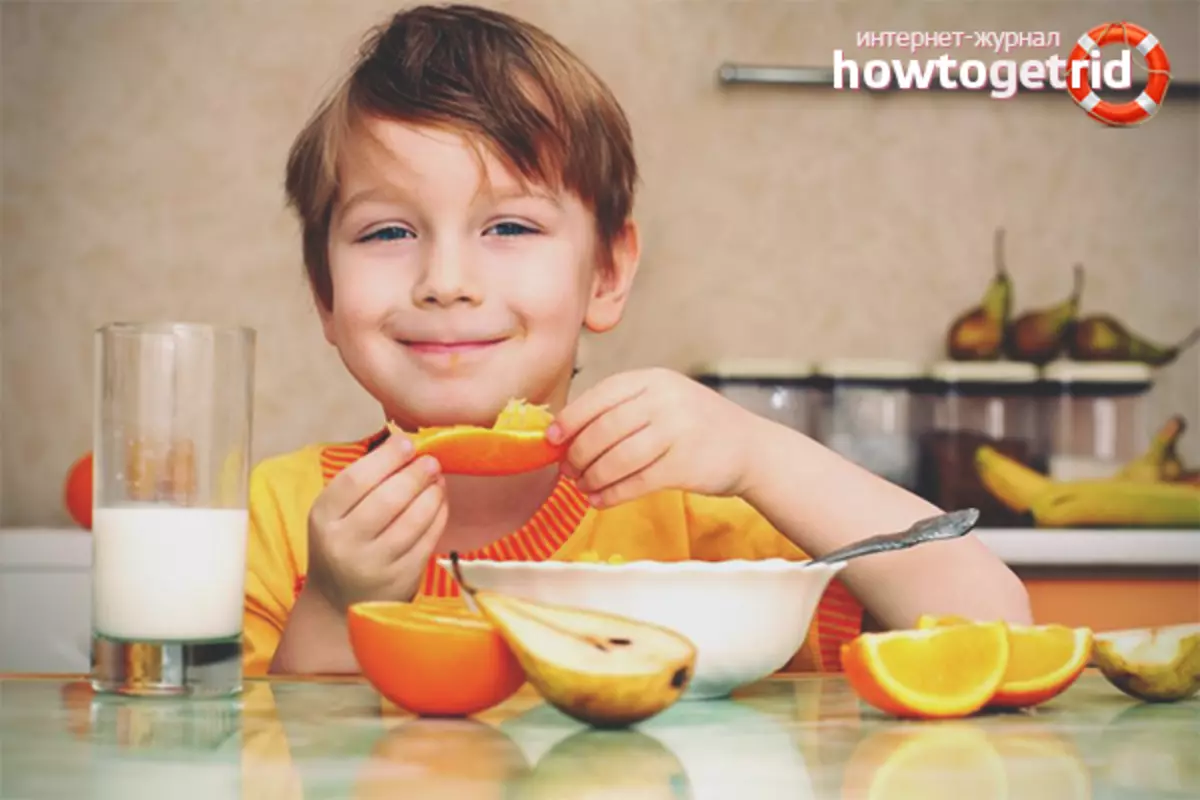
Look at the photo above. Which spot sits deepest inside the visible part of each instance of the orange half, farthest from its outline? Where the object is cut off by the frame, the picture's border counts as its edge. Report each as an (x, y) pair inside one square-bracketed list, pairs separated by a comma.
[(433, 659), (516, 443), (936, 673), (1043, 661)]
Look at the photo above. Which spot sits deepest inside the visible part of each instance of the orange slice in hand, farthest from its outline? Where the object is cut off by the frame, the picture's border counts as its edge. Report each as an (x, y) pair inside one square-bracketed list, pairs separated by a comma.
[(937, 673), (435, 659), (515, 443), (1043, 660)]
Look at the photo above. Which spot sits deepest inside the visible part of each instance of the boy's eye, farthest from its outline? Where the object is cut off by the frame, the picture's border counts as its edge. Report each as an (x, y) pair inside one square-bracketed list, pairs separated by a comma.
[(387, 234), (510, 229)]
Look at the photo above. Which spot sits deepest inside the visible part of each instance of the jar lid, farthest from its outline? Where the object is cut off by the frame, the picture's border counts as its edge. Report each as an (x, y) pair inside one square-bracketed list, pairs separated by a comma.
[(754, 369), (871, 369), (1067, 371), (984, 372)]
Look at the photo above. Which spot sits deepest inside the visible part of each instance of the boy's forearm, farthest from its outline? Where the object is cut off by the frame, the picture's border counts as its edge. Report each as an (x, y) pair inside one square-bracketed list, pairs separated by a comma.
[(822, 501), (314, 640)]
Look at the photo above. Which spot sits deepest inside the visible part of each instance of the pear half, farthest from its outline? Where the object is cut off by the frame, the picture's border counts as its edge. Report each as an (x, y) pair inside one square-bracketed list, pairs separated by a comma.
[(1154, 664), (604, 670)]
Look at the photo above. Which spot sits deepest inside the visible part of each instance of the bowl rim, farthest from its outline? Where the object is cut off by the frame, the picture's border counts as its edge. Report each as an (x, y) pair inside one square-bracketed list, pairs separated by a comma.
[(690, 566)]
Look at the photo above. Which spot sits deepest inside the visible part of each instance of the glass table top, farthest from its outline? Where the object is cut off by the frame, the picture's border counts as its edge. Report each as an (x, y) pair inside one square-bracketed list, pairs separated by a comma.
[(796, 737)]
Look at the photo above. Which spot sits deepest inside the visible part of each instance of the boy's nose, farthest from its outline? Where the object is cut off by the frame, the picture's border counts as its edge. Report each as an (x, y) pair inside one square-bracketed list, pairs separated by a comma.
[(445, 281)]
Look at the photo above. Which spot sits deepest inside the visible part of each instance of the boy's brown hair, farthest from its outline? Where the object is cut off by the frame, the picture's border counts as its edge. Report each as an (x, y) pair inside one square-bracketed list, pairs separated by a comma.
[(504, 82)]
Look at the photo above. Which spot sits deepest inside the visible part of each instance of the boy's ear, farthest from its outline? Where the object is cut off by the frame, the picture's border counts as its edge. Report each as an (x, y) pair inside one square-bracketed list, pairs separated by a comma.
[(610, 287), (326, 315)]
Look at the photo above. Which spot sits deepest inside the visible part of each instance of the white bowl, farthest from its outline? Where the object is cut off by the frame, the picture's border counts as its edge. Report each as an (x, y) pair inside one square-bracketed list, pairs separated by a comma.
[(746, 618)]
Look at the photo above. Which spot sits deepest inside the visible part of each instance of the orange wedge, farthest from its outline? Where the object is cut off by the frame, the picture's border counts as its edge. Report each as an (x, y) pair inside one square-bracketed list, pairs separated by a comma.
[(1043, 660), (941, 672), (515, 443), (433, 659)]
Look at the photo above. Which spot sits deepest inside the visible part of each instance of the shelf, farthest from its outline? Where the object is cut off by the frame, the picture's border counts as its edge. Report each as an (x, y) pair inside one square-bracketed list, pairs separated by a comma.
[(1046, 547), (730, 74)]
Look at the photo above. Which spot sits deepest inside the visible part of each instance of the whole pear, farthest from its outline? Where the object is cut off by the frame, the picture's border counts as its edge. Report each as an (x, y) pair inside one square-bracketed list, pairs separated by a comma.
[(1039, 337), (1101, 337), (977, 334)]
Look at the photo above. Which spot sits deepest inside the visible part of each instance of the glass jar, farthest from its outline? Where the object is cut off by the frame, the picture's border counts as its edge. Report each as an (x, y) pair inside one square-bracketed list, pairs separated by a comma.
[(976, 403), (776, 389), (1096, 417), (869, 411)]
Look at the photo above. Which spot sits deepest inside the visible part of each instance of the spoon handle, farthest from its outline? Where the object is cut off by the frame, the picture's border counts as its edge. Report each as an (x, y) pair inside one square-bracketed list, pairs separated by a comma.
[(932, 529)]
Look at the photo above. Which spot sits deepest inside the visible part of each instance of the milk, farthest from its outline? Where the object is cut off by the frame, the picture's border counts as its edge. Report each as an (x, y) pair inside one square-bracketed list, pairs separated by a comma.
[(163, 573)]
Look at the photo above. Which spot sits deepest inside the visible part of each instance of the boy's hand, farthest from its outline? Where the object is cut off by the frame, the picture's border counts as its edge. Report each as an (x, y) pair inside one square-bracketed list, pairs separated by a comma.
[(372, 530), (639, 432)]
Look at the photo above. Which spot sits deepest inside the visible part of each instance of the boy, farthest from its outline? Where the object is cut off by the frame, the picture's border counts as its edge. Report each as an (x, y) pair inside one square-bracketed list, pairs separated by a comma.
[(466, 201)]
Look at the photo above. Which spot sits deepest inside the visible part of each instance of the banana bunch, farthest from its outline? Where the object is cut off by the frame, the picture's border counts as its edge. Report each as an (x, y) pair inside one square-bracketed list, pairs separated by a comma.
[(1153, 490)]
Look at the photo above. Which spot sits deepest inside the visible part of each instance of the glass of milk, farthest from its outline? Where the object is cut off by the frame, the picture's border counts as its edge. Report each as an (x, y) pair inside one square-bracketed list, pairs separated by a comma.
[(172, 426)]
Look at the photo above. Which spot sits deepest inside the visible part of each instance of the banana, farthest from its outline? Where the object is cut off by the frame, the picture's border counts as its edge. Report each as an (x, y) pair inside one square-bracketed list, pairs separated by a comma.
[(1013, 483), (1143, 498), (1116, 503), (1160, 462)]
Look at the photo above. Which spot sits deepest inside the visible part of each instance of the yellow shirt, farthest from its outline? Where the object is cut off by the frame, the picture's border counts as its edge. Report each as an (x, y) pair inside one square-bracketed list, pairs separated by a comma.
[(664, 526)]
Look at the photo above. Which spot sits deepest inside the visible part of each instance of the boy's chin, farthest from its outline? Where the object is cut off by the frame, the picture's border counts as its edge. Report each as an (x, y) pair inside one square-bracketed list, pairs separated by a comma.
[(436, 415)]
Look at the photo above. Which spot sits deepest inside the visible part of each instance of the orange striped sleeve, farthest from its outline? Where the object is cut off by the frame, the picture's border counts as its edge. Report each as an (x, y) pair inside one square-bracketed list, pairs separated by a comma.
[(838, 620), (537, 540)]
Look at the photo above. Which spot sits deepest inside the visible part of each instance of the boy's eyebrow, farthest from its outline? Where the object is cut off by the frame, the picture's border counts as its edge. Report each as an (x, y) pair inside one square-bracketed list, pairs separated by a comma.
[(521, 193), (386, 193), (366, 195)]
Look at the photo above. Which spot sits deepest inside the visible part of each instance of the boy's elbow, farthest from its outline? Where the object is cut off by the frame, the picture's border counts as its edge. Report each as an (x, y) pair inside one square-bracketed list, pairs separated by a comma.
[(1014, 605), (999, 590)]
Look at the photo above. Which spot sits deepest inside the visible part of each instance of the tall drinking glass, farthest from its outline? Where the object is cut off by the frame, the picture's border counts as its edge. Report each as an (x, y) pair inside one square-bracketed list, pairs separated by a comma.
[(171, 452)]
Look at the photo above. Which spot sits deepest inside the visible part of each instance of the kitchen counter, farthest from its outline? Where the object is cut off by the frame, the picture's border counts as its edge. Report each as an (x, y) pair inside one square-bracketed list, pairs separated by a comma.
[(806, 737), (1045, 547)]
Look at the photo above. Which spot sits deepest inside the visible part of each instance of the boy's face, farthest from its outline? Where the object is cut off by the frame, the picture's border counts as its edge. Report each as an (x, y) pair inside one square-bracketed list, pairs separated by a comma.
[(455, 289)]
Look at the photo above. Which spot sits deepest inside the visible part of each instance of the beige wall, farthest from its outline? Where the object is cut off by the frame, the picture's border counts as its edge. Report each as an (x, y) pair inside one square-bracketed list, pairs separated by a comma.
[(143, 157)]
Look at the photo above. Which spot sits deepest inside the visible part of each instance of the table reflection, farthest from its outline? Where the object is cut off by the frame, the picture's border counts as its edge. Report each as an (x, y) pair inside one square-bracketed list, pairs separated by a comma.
[(431, 758), (780, 739)]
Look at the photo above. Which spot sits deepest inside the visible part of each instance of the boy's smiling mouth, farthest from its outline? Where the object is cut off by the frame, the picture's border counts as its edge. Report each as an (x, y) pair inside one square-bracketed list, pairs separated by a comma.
[(449, 346)]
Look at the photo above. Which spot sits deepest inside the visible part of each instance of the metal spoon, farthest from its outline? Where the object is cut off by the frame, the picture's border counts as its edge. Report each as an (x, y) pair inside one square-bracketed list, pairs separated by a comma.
[(942, 526)]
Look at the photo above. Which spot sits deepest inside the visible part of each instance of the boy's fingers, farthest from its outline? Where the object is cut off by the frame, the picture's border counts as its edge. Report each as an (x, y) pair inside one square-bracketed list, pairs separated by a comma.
[(605, 432), (592, 403), (624, 461), (641, 482), (406, 531), (355, 482), (387, 502)]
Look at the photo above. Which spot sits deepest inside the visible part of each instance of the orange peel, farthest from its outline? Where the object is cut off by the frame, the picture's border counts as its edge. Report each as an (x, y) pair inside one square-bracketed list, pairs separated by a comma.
[(515, 443)]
